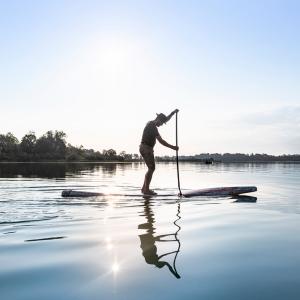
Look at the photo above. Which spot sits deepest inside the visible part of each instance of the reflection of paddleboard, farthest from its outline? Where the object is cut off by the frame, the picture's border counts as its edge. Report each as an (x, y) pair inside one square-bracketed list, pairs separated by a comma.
[(244, 199), (212, 192)]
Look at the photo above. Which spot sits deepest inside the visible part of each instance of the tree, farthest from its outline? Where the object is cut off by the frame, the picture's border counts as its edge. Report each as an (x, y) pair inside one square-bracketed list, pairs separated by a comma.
[(60, 143), (110, 154), (9, 145), (52, 145), (28, 142), (124, 156)]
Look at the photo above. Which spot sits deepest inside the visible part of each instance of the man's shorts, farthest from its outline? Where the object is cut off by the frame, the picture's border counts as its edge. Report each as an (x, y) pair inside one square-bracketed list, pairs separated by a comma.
[(148, 155)]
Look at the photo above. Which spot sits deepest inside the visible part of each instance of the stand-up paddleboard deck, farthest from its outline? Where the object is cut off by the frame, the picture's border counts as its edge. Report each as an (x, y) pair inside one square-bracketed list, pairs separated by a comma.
[(210, 192), (221, 191)]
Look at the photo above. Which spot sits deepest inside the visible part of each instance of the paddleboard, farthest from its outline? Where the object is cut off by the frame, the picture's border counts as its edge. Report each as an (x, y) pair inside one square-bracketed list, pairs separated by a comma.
[(210, 192), (221, 191), (75, 193)]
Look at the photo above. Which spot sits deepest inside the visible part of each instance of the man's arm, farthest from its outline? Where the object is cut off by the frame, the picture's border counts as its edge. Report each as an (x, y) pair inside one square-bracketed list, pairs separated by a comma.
[(163, 142), (171, 114)]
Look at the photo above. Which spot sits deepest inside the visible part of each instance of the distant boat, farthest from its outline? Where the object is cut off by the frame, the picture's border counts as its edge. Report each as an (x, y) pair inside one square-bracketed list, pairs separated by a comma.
[(208, 161)]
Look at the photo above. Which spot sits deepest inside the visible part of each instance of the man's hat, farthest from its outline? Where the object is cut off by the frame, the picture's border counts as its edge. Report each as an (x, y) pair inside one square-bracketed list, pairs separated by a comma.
[(162, 117)]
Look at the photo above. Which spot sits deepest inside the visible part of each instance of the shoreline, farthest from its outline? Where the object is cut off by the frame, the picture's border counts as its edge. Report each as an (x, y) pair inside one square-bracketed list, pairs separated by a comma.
[(140, 161)]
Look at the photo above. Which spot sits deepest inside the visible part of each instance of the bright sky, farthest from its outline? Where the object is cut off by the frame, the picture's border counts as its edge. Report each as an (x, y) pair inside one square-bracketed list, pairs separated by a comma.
[(99, 70)]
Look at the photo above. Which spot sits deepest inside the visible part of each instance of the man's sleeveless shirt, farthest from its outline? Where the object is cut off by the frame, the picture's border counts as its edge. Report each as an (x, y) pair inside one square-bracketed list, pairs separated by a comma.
[(150, 133)]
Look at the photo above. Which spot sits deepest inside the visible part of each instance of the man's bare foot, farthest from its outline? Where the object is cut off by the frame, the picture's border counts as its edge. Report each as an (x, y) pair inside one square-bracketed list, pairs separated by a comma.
[(149, 192)]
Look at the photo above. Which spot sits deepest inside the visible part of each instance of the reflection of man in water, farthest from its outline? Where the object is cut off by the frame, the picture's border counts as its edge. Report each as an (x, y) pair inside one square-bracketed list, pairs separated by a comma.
[(148, 242)]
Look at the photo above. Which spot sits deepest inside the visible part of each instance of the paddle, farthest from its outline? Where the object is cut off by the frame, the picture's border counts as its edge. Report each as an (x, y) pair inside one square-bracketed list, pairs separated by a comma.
[(178, 180)]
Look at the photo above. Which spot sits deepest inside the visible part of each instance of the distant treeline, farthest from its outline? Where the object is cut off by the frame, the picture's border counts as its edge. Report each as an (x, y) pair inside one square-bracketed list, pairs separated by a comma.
[(234, 158), (52, 146)]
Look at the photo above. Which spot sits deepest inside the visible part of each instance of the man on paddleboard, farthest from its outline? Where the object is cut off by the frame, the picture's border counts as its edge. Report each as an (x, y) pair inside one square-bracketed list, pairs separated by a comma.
[(150, 135)]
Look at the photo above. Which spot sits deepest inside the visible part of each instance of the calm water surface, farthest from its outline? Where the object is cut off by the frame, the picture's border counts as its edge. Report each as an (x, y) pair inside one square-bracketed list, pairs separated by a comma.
[(160, 248)]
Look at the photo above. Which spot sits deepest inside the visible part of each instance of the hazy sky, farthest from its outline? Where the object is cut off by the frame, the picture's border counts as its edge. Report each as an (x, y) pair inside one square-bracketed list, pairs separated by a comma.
[(99, 70)]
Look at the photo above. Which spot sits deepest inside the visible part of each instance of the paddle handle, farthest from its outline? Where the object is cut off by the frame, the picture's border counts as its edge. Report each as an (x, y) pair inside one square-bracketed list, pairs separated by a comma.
[(177, 162)]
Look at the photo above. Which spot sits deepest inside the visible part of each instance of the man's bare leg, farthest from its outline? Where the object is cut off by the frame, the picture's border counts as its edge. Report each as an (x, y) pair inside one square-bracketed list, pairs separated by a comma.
[(147, 181)]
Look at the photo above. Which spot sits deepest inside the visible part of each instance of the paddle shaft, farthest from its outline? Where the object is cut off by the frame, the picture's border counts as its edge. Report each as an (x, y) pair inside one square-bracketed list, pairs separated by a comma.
[(178, 180)]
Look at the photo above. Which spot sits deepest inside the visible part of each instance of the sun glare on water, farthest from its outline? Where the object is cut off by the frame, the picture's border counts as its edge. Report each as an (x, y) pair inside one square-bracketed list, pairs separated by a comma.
[(115, 268)]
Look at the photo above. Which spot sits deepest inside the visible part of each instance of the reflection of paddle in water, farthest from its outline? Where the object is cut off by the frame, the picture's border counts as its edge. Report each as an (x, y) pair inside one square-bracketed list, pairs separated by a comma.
[(148, 241)]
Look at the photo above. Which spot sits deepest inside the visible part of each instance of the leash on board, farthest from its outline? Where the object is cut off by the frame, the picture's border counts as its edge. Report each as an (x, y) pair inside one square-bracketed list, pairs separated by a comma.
[(178, 180)]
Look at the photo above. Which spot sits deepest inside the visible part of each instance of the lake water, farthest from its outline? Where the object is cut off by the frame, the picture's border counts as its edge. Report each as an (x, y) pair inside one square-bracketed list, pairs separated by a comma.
[(117, 247)]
